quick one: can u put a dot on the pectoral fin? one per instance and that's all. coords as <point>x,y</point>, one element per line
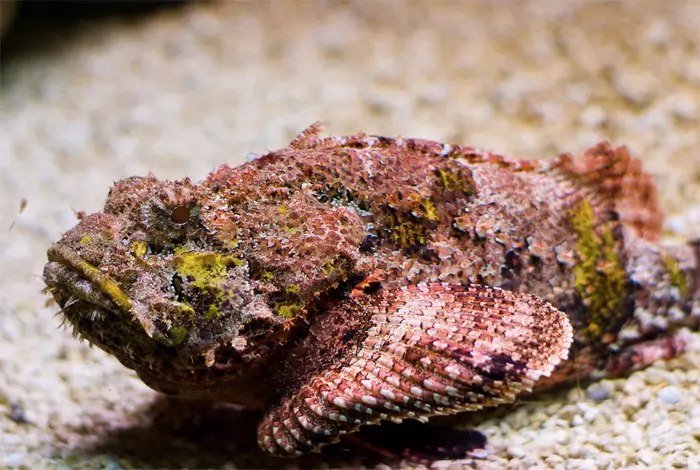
<point>428,350</point>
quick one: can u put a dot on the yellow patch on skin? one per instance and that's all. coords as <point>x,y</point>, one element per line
<point>292,289</point>
<point>207,271</point>
<point>178,250</point>
<point>332,269</point>
<point>454,181</point>
<point>678,279</point>
<point>430,209</point>
<point>177,335</point>
<point>600,277</point>
<point>405,232</point>
<point>186,309</point>
<point>85,240</point>
<point>287,310</point>
<point>212,312</point>
<point>139,249</point>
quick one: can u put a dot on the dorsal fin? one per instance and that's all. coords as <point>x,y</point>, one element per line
<point>616,182</point>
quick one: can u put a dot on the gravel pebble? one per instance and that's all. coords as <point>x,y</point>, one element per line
<point>647,456</point>
<point>600,391</point>
<point>670,395</point>
<point>516,451</point>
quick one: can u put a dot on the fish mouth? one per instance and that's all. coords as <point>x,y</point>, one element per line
<point>76,284</point>
<point>67,273</point>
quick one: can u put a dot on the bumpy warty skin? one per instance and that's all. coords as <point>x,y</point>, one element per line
<point>257,285</point>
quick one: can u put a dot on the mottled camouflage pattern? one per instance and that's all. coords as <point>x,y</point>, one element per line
<point>268,284</point>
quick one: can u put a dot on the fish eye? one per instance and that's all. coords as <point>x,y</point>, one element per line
<point>180,215</point>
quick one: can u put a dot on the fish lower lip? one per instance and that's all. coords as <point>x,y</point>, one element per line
<point>70,260</point>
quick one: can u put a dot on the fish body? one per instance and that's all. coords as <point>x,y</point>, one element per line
<point>343,281</point>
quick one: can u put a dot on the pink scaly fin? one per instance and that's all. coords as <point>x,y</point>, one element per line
<point>431,349</point>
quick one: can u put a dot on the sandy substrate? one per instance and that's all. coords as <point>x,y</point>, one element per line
<point>180,90</point>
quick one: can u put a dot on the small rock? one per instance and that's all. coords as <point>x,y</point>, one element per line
<point>113,465</point>
<point>581,464</point>
<point>555,460</point>
<point>593,116</point>
<point>561,436</point>
<point>670,395</point>
<point>591,414</point>
<point>658,33</point>
<point>676,224</point>
<point>635,85</point>
<point>14,459</point>
<point>647,456</point>
<point>634,435</point>
<point>603,460</point>
<point>17,413</point>
<point>600,391</point>
<point>516,451</point>
<point>695,424</point>
<point>682,106</point>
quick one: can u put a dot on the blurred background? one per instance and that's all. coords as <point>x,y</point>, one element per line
<point>91,92</point>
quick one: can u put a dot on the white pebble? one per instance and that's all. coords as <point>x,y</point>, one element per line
<point>647,456</point>
<point>516,451</point>
<point>581,464</point>
<point>634,434</point>
<point>593,116</point>
<point>695,423</point>
<point>14,459</point>
<point>670,395</point>
<point>589,412</point>
<point>600,391</point>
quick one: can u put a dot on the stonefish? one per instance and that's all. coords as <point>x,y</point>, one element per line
<point>343,281</point>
